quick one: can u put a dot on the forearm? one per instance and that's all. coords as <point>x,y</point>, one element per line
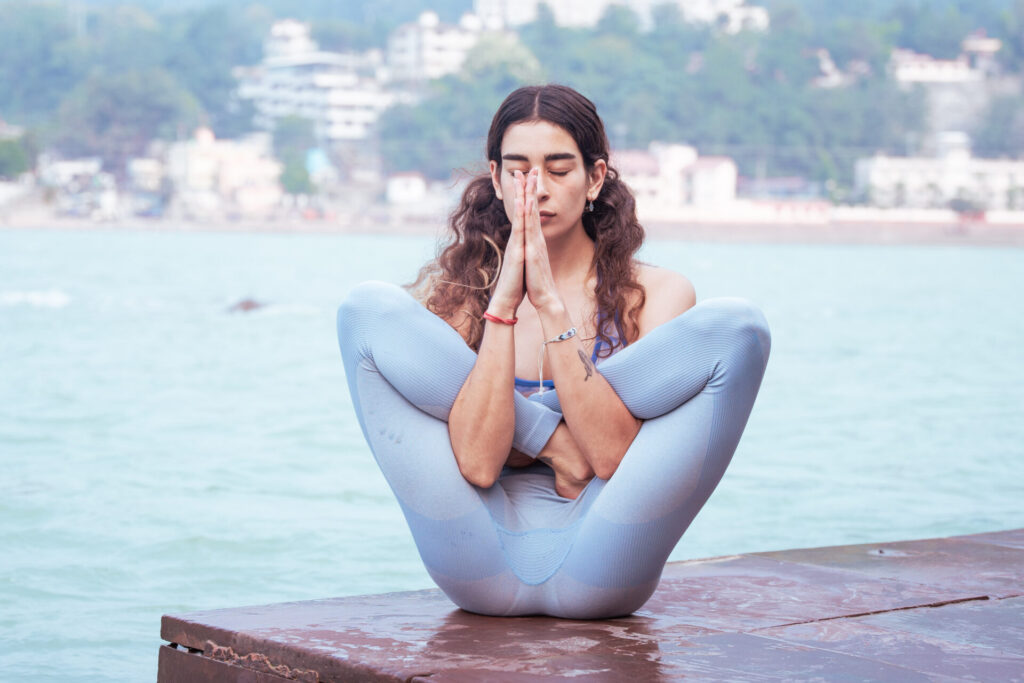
<point>599,421</point>
<point>482,420</point>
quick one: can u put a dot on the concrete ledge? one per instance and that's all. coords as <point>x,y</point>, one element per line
<point>912,610</point>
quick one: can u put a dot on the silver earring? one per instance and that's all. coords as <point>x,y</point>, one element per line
<point>590,206</point>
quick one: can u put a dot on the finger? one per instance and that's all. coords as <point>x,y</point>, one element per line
<point>524,180</point>
<point>520,198</point>
<point>532,218</point>
<point>531,192</point>
<point>516,243</point>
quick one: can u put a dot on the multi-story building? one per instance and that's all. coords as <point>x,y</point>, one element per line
<point>428,48</point>
<point>977,59</point>
<point>937,182</point>
<point>731,16</point>
<point>957,91</point>
<point>666,177</point>
<point>341,93</point>
<point>907,66</point>
<point>216,178</point>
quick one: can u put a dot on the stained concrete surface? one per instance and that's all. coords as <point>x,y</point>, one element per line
<point>935,609</point>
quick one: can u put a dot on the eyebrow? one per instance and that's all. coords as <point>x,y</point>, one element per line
<point>557,156</point>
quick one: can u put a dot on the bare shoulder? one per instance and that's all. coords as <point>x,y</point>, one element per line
<point>669,294</point>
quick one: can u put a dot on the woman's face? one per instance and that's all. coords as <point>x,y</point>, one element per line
<point>564,185</point>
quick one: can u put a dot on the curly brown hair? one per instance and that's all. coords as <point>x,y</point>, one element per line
<point>462,276</point>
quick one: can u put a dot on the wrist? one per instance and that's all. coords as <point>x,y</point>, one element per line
<point>552,311</point>
<point>498,319</point>
<point>502,309</point>
<point>501,314</point>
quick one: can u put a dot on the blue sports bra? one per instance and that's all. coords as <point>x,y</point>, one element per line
<point>526,384</point>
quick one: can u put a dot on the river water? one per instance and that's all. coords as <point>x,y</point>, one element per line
<point>161,453</point>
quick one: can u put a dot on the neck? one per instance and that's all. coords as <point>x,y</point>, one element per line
<point>570,256</point>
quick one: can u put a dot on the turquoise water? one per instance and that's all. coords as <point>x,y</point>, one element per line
<point>162,454</point>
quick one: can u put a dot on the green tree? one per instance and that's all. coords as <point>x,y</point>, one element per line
<point>674,38</point>
<point>13,159</point>
<point>339,35</point>
<point>544,31</point>
<point>124,35</point>
<point>40,59</point>
<point>116,115</point>
<point>293,137</point>
<point>203,49</point>
<point>447,131</point>
<point>1013,35</point>
<point>294,176</point>
<point>931,30</point>
<point>1000,133</point>
<point>618,20</point>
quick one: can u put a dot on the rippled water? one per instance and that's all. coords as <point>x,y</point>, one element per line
<point>163,454</point>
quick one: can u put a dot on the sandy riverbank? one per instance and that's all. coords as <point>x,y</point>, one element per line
<point>963,233</point>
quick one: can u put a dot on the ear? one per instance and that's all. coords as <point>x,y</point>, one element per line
<point>496,179</point>
<point>596,179</point>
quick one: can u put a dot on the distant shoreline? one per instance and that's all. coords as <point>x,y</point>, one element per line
<point>966,233</point>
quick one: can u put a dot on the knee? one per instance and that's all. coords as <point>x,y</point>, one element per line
<point>366,303</point>
<point>371,299</point>
<point>740,322</point>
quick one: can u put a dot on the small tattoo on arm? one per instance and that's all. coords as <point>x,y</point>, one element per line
<point>586,364</point>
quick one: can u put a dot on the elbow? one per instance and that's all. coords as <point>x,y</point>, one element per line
<point>480,460</point>
<point>479,478</point>
<point>477,474</point>
<point>604,468</point>
<point>605,460</point>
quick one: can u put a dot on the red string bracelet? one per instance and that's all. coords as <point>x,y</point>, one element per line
<point>503,321</point>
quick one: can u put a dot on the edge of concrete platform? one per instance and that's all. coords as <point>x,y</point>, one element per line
<point>866,610</point>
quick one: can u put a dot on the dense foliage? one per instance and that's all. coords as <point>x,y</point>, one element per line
<point>13,159</point>
<point>293,137</point>
<point>102,76</point>
<point>106,81</point>
<point>748,96</point>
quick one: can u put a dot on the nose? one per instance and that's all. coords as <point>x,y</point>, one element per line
<point>542,191</point>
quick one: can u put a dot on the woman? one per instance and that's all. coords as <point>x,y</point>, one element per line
<point>557,413</point>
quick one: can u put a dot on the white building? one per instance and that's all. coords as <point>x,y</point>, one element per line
<point>428,48</point>
<point>666,177</point>
<point>406,188</point>
<point>732,16</point>
<point>907,66</point>
<point>976,61</point>
<point>342,94</point>
<point>62,173</point>
<point>981,51</point>
<point>933,182</point>
<point>711,181</point>
<point>215,178</point>
<point>9,131</point>
<point>500,14</point>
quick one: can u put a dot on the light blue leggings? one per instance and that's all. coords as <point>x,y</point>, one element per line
<point>518,548</point>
